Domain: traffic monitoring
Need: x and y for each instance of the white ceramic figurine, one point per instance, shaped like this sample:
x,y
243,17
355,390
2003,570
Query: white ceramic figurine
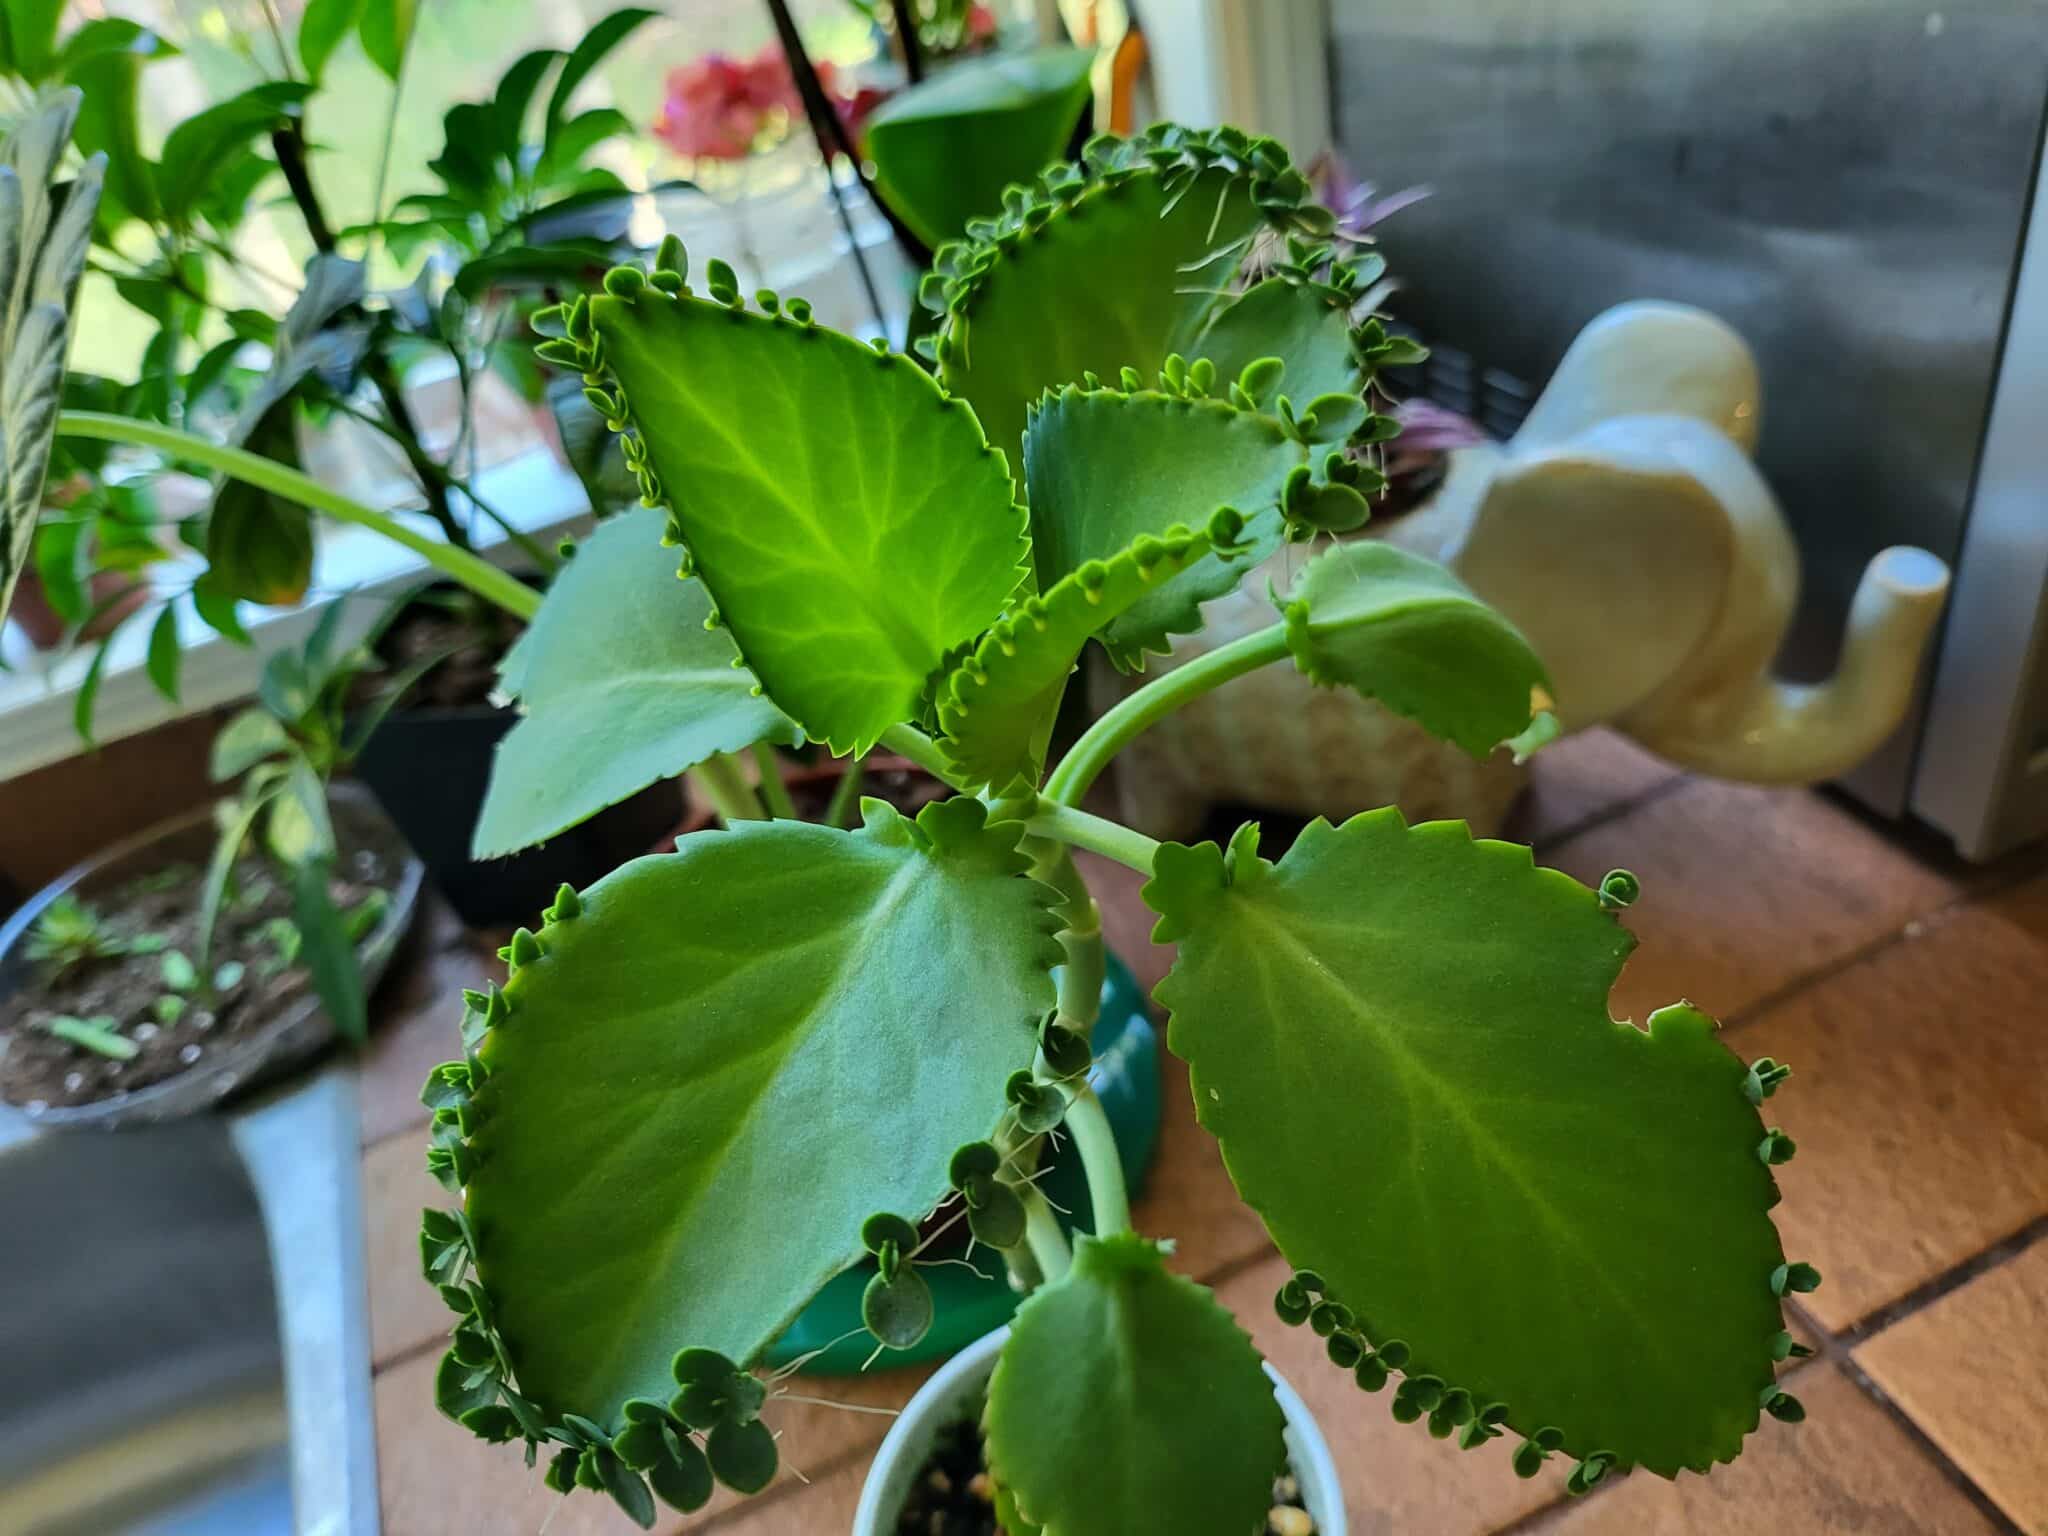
x,y
1626,531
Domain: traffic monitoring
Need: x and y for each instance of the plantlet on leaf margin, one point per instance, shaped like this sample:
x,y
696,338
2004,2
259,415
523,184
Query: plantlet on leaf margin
x,y
707,1074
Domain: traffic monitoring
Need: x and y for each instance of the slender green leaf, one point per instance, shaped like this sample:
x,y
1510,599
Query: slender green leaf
x,y
579,136
566,264
227,848
1403,630
325,951
515,94
199,146
60,566
722,1065
163,659
109,123
852,526
217,608
259,546
621,684
945,149
1126,1399
588,54
251,736
105,35
86,700
321,28
1395,1026
386,28
31,35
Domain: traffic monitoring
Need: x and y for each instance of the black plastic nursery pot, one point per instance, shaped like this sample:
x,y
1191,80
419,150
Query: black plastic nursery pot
x,y
429,769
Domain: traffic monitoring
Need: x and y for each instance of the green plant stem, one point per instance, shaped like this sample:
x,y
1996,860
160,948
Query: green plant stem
x,y
288,144
1118,727
846,794
459,565
1101,1162
728,790
773,790
1042,1235
1096,834
390,132
908,741
528,545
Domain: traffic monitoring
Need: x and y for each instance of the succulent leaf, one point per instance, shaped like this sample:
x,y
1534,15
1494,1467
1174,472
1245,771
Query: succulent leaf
x,y
620,684
1108,468
1118,263
998,703
850,522
706,1080
1394,1023
1290,321
1403,630
1126,1399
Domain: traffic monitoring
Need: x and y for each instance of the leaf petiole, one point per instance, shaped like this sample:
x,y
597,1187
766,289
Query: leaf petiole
x,y
1096,834
1131,717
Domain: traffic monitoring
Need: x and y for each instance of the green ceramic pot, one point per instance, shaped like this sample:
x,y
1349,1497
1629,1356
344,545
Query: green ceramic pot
x,y
1126,1079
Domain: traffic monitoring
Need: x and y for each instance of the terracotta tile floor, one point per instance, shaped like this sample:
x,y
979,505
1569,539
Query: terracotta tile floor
x,y
1904,988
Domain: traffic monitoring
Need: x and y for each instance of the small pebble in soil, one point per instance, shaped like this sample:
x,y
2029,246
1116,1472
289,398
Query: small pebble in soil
x,y
189,1054
36,1106
203,1019
142,1034
73,1081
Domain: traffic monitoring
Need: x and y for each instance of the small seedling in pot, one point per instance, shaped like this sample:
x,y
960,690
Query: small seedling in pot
x,y
282,935
70,936
179,973
100,1034
284,749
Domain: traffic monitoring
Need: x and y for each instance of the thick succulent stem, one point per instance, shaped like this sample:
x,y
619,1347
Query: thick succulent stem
x,y
459,565
1131,717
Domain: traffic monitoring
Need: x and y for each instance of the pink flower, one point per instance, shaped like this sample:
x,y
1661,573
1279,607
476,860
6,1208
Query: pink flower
x,y
981,25
720,108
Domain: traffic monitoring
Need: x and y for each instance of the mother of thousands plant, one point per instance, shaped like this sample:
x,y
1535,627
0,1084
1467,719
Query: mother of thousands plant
x,y
721,1076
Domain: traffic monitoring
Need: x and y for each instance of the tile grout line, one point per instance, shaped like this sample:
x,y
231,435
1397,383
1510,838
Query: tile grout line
x,y
1607,814
1928,1292
1912,929
1963,1483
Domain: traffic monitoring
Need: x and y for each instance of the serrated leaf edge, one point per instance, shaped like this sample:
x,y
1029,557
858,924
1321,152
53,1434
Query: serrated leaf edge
x,y
1179,870
456,1093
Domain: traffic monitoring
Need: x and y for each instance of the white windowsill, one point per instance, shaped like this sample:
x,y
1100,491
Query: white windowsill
x,y
536,493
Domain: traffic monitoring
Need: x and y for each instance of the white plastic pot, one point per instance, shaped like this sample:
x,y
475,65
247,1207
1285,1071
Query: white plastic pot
x,y
956,1393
